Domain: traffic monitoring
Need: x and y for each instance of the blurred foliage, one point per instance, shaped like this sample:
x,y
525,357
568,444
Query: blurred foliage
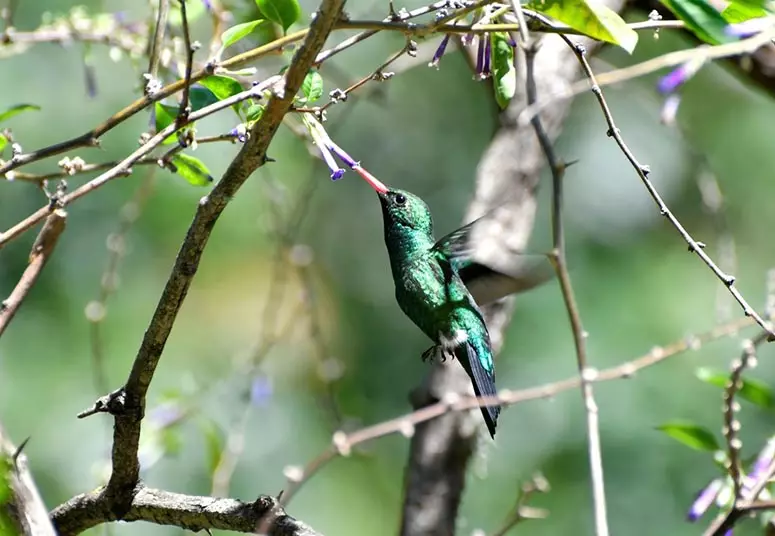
x,y
425,131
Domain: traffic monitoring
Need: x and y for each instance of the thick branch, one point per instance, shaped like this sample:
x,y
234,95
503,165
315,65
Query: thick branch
x,y
189,512
128,403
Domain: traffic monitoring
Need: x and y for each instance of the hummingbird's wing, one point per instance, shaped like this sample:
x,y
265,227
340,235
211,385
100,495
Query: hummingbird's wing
x,y
487,282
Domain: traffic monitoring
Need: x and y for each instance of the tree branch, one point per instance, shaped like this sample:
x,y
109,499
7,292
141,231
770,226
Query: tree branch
x,y
128,403
189,512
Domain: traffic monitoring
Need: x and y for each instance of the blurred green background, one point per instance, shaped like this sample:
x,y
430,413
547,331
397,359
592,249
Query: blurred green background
x,y
425,131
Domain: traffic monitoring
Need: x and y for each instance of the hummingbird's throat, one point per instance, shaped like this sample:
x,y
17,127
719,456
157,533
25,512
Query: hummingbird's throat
x,y
373,181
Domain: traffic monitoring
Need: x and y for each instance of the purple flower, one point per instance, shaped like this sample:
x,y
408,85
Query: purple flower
x,y
321,139
165,414
674,79
208,4
704,499
261,389
760,465
480,53
239,132
439,52
343,156
487,55
749,27
670,109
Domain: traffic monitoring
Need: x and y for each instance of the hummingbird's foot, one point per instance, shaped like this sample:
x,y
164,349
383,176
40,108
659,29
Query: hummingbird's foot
x,y
429,353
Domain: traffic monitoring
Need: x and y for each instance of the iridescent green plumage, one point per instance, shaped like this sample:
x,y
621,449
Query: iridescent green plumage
x,y
431,293
439,287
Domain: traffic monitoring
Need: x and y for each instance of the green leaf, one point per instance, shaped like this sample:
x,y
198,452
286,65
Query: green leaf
x,y
223,87
192,169
702,19
165,116
754,391
312,87
3,143
282,12
6,467
254,112
591,18
504,74
199,97
691,435
214,443
239,31
742,11
194,10
16,110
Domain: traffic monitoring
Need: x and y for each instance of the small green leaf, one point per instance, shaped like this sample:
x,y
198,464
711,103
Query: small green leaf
x,y
742,11
282,12
192,169
239,31
223,87
504,74
702,19
254,112
3,143
165,116
591,18
214,443
16,110
691,435
754,391
199,97
312,87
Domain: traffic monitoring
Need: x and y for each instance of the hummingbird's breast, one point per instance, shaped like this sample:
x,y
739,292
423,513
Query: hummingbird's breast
x,y
432,295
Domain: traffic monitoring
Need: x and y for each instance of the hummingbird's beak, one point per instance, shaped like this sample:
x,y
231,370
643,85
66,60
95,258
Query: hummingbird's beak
x,y
372,180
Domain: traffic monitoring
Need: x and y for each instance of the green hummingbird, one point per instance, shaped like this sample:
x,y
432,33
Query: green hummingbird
x,y
440,288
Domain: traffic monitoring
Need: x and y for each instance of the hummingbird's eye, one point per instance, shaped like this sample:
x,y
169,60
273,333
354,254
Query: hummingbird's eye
x,y
400,199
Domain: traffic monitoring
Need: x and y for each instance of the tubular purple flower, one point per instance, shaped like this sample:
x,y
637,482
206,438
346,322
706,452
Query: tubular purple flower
x,y
260,390
760,465
343,156
670,109
749,27
439,52
704,499
674,79
480,59
321,139
487,55
208,4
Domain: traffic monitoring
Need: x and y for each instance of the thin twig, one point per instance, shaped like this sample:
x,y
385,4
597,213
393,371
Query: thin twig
x,y
39,256
343,444
557,169
154,54
96,310
185,109
124,167
643,171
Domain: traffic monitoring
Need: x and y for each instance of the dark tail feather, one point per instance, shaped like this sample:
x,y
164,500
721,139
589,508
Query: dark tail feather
x,y
484,382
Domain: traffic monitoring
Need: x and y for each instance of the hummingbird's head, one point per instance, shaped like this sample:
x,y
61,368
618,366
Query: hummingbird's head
x,y
402,212
405,212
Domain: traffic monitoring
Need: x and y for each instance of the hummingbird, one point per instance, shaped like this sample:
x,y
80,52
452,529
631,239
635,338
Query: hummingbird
x,y
440,288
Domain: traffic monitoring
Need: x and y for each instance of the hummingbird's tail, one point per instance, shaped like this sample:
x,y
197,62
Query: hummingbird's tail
x,y
482,379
